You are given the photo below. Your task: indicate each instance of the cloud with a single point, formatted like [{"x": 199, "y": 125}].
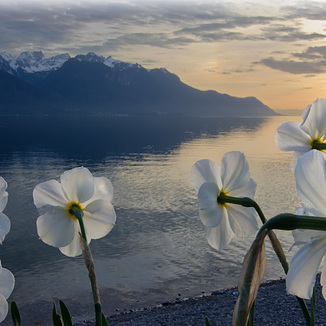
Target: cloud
[
  {"x": 105, "y": 26},
  {"x": 312, "y": 62},
  {"x": 292, "y": 36},
  {"x": 315, "y": 52},
  {"x": 312, "y": 10},
  {"x": 296, "y": 67},
  {"x": 29, "y": 26}
]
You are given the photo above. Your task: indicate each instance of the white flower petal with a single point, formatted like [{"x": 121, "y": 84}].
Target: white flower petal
[
  {"x": 311, "y": 180},
  {"x": 3, "y": 308},
  {"x": 243, "y": 220},
  {"x": 3, "y": 184},
  {"x": 304, "y": 267},
  {"x": 296, "y": 155},
  {"x": 73, "y": 249},
  {"x": 301, "y": 210},
  {"x": 302, "y": 236},
  {"x": 99, "y": 218},
  {"x": 211, "y": 216},
  {"x": 78, "y": 184},
  {"x": 4, "y": 226},
  {"x": 209, "y": 211},
  {"x": 207, "y": 194},
  {"x": 55, "y": 227},
  {"x": 3, "y": 200},
  {"x": 49, "y": 193},
  {"x": 205, "y": 171},
  {"x": 7, "y": 282},
  {"x": 305, "y": 113},
  {"x": 291, "y": 137},
  {"x": 103, "y": 189},
  {"x": 315, "y": 122},
  {"x": 221, "y": 235},
  {"x": 234, "y": 171},
  {"x": 248, "y": 190},
  {"x": 3, "y": 194}
]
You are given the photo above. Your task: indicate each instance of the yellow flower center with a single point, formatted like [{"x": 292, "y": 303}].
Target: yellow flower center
[
  {"x": 71, "y": 207},
  {"x": 314, "y": 141},
  {"x": 220, "y": 199}
]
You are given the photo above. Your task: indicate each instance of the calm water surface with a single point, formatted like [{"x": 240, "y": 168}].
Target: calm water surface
[{"x": 158, "y": 249}]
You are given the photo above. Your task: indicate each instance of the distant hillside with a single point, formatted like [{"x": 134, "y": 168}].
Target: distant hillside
[{"x": 93, "y": 84}]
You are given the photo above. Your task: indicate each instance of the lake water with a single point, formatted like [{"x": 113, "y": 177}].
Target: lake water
[{"x": 157, "y": 251}]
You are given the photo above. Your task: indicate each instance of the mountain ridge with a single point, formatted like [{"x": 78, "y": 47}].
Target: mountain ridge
[{"x": 92, "y": 84}]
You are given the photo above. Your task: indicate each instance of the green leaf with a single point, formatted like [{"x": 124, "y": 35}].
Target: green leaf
[
  {"x": 313, "y": 308},
  {"x": 65, "y": 314},
  {"x": 55, "y": 317},
  {"x": 207, "y": 323},
  {"x": 15, "y": 313},
  {"x": 104, "y": 321},
  {"x": 251, "y": 320}
]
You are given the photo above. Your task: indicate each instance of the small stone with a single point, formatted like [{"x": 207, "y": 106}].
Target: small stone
[{"x": 166, "y": 303}]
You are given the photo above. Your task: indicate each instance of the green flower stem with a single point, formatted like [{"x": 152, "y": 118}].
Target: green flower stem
[
  {"x": 86, "y": 250},
  {"x": 243, "y": 201},
  {"x": 79, "y": 216},
  {"x": 318, "y": 145},
  {"x": 271, "y": 224},
  {"x": 291, "y": 222}
]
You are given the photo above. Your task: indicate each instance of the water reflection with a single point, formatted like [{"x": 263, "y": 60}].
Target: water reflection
[
  {"x": 97, "y": 137},
  {"x": 157, "y": 248}
]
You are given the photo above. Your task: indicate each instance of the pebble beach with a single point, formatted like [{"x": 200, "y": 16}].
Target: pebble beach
[{"x": 274, "y": 307}]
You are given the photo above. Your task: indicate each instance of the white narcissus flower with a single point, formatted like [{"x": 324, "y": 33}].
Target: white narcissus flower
[
  {"x": 310, "y": 176},
  {"x": 224, "y": 221},
  {"x": 57, "y": 225},
  {"x": 7, "y": 283},
  {"x": 301, "y": 138},
  {"x": 4, "y": 220}
]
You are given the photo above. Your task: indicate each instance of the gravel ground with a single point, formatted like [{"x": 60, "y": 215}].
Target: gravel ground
[{"x": 273, "y": 307}]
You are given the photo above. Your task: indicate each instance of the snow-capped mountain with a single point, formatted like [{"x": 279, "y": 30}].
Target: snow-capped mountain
[
  {"x": 109, "y": 61},
  {"x": 92, "y": 57},
  {"x": 33, "y": 62}
]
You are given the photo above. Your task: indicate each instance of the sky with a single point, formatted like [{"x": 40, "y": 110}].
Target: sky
[{"x": 272, "y": 50}]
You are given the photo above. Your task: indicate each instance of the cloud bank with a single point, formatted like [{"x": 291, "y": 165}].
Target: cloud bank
[{"x": 105, "y": 27}]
